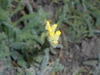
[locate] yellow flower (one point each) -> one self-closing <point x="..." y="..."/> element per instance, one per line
<point x="53" y="36"/>
<point x="54" y="42"/>
<point x="49" y="29"/>
<point x="54" y="27"/>
<point x="58" y="33"/>
<point x="47" y="25"/>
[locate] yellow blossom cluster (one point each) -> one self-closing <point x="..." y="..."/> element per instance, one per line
<point x="52" y="34"/>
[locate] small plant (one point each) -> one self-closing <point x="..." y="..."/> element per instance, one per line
<point x="52" y="35"/>
<point x="25" y="47"/>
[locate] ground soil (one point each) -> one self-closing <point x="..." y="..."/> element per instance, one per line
<point x="81" y="57"/>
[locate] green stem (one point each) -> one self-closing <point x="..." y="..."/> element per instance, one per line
<point x="45" y="45"/>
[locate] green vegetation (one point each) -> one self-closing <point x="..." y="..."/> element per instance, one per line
<point x="81" y="16"/>
<point x="28" y="47"/>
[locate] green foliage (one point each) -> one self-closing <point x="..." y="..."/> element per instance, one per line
<point x="46" y="68"/>
<point x="4" y="4"/>
<point x="3" y="15"/>
<point x="45" y="60"/>
<point x="81" y="17"/>
<point x="27" y="45"/>
<point x="23" y="46"/>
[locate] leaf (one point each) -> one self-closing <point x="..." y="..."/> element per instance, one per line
<point x="22" y="62"/>
<point x="4" y="3"/>
<point x="4" y="51"/>
<point x="97" y="24"/>
<point x="17" y="34"/>
<point x="45" y="60"/>
<point x="25" y="17"/>
<point x="17" y="45"/>
<point x="5" y="54"/>
<point x="18" y="8"/>
<point x="37" y="59"/>
<point x="91" y="63"/>
<point x="57" y="66"/>
<point x="3" y="15"/>
<point x="2" y="36"/>
<point x="14" y="55"/>
<point x="8" y="29"/>
<point x="63" y="15"/>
